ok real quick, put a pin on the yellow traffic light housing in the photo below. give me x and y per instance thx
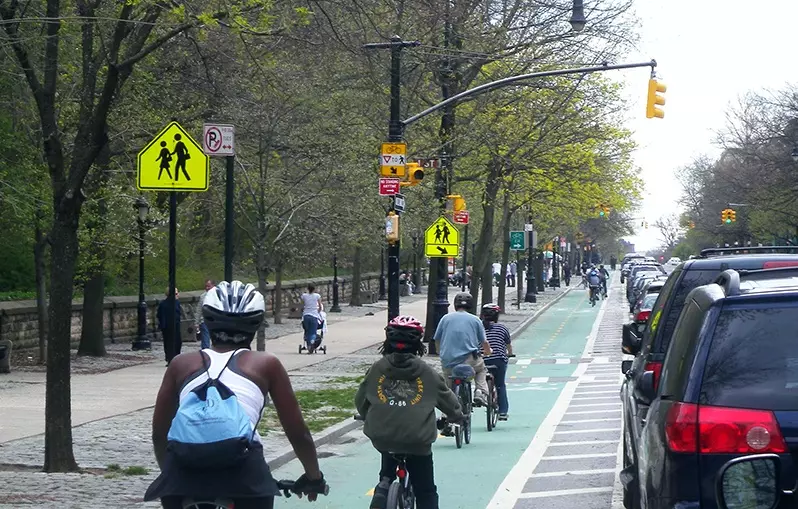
(414, 174)
(655, 88)
(733, 215)
(726, 215)
(457, 202)
(392, 227)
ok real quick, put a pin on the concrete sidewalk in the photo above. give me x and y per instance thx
(98, 396)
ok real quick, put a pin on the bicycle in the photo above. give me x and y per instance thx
(400, 493)
(594, 290)
(285, 486)
(462, 374)
(493, 398)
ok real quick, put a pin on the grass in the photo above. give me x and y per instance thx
(114, 470)
(321, 408)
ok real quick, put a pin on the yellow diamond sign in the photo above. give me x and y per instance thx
(442, 240)
(172, 161)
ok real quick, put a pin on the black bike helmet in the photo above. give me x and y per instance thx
(463, 300)
(235, 310)
(404, 329)
(491, 312)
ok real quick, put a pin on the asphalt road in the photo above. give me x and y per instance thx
(559, 448)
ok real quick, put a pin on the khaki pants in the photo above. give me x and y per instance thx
(480, 381)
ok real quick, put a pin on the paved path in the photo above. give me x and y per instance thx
(566, 361)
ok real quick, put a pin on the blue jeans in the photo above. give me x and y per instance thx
(205, 336)
(498, 377)
(311, 326)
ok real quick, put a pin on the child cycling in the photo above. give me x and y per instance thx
(499, 339)
(397, 400)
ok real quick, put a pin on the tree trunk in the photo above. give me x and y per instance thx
(40, 267)
(278, 292)
(355, 299)
(504, 231)
(92, 337)
(58, 454)
(482, 258)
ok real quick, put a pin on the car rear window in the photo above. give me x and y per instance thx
(649, 301)
(753, 359)
(691, 279)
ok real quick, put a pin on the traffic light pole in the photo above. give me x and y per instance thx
(395, 134)
(531, 287)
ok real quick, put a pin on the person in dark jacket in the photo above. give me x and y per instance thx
(172, 344)
(397, 400)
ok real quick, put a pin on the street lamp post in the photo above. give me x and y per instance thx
(142, 341)
(554, 281)
(416, 276)
(382, 274)
(335, 307)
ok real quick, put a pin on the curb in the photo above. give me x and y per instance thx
(529, 321)
(325, 437)
(344, 427)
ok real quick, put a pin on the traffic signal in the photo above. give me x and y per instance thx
(415, 174)
(458, 202)
(733, 215)
(604, 210)
(655, 88)
(725, 216)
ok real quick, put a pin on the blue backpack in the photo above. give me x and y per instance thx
(210, 429)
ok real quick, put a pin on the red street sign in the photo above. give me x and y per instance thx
(461, 217)
(389, 187)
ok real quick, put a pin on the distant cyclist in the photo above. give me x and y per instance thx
(397, 400)
(233, 313)
(593, 281)
(499, 339)
(462, 341)
(605, 276)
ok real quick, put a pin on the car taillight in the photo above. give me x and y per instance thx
(642, 316)
(776, 264)
(721, 430)
(656, 367)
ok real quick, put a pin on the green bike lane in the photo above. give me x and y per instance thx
(547, 354)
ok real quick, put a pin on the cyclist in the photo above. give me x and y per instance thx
(397, 400)
(462, 341)
(593, 280)
(233, 313)
(605, 276)
(499, 339)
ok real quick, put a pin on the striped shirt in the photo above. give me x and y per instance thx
(499, 337)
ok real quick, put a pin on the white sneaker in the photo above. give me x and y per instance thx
(479, 398)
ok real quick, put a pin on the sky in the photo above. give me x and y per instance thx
(709, 53)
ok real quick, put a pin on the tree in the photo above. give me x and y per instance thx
(670, 231)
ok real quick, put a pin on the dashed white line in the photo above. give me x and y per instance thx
(578, 421)
(586, 442)
(594, 430)
(585, 412)
(575, 472)
(579, 456)
(560, 493)
(584, 405)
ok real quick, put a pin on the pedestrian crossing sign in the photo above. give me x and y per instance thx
(172, 161)
(442, 240)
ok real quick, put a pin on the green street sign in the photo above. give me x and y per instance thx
(517, 241)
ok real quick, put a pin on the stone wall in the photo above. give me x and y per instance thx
(19, 322)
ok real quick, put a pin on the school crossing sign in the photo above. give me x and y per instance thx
(172, 161)
(442, 240)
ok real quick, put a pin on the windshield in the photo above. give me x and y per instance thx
(648, 302)
(753, 359)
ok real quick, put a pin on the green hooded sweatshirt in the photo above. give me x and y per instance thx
(398, 399)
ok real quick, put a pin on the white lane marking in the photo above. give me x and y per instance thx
(586, 442)
(595, 430)
(539, 380)
(562, 361)
(597, 392)
(598, 383)
(579, 456)
(575, 472)
(561, 493)
(617, 492)
(585, 412)
(522, 362)
(509, 490)
(583, 405)
(591, 339)
(577, 421)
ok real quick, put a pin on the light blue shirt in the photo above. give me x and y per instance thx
(460, 334)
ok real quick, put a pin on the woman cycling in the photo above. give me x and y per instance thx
(499, 338)
(233, 313)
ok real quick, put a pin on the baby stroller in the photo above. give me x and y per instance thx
(321, 331)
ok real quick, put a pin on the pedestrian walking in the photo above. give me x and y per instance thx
(566, 270)
(202, 332)
(497, 269)
(512, 272)
(172, 342)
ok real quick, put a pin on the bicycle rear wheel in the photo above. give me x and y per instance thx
(458, 428)
(395, 496)
(467, 422)
(490, 411)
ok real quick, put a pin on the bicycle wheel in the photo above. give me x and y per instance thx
(395, 496)
(408, 498)
(467, 422)
(458, 428)
(490, 411)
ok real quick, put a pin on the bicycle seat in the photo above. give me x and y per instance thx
(463, 372)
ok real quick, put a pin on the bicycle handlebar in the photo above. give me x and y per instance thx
(287, 487)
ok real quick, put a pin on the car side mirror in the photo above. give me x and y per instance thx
(630, 341)
(749, 482)
(626, 366)
(645, 389)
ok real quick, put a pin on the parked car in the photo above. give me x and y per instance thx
(649, 348)
(637, 270)
(727, 388)
(674, 260)
(640, 284)
(627, 262)
(650, 292)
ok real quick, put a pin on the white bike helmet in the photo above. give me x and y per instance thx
(235, 310)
